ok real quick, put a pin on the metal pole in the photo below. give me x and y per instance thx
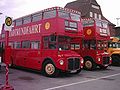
(7, 53)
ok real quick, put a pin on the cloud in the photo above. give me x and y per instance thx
(2, 3)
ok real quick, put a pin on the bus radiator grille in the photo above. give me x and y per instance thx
(106, 60)
(73, 63)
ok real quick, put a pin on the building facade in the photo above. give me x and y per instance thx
(117, 31)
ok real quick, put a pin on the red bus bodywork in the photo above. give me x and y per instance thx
(44, 44)
(95, 41)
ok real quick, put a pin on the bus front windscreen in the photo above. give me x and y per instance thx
(64, 43)
(100, 45)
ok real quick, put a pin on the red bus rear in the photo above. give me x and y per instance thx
(41, 41)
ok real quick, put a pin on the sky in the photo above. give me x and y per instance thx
(19, 8)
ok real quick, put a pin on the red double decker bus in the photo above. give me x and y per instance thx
(41, 41)
(95, 41)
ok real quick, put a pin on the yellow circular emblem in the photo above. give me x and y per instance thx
(8, 21)
(47, 25)
(89, 31)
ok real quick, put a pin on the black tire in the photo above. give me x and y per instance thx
(49, 69)
(89, 64)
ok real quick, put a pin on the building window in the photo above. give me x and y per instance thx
(95, 15)
(91, 14)
(99, 16)
(95, 7)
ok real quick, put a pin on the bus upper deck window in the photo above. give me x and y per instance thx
(37, 17)
(26, 19)
(18, 22)
(49, 14)
(75, 17)
(63, 14)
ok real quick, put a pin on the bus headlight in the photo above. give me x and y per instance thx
(110, 58)
(99, 59)
(61, 62)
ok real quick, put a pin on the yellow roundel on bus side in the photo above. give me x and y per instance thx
(47, 25)
(89, 31)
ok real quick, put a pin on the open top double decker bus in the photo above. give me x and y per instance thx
(41, 41)
(114, 50)
(96, 36)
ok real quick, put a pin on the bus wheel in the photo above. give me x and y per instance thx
(89, 64)
(49, 69)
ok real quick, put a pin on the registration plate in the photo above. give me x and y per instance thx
(106, 65)
(73, 71)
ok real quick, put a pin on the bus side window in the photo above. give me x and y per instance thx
(26, 19)
(52, 42)
(11, 44)
(45, 41)
(37, 17)
(17, 44)
(35, 45)
(52, 46)
(26, 44)
(19, 22)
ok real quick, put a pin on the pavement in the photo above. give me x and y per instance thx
(21, 79)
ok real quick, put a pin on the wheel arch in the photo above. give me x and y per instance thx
(89, 58)
(48, 59)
